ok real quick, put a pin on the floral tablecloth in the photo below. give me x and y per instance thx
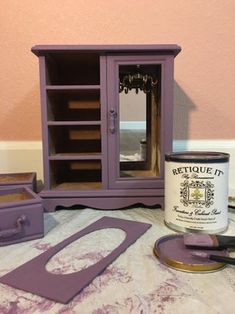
(136, 282)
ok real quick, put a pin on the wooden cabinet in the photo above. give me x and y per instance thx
(99, 105)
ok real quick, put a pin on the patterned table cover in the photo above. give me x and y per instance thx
(136, 282)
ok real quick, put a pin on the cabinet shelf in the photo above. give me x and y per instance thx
(75, 156)
(78, 186)
(65, 173)
(70, 123)
(84, 134)
(74, 139)
(73, 105)
(73, 68)
(137, 173)
(71, 87)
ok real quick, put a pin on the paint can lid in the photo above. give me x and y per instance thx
(197, 157)
(171, 251)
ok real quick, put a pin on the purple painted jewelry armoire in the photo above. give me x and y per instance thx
(107, 123)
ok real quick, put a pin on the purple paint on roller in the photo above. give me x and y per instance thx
(208, 241)
(191, 239)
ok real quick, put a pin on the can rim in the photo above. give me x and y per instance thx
(180, 264)
(198, 156)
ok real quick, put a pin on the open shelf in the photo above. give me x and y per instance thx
(78, 186)
(137, 173)
(73, 68)
(75, 156)
(59, 88)
(70, 139)
(76, 174)
(75, 105)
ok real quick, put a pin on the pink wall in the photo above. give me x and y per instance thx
(204, 73)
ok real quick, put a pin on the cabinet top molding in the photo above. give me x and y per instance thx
(170, 49)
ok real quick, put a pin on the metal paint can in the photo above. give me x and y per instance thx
(196, 191)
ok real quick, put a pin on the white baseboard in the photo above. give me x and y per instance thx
(26, 156)
(23, 156)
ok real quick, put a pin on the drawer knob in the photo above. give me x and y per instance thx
(11, 232)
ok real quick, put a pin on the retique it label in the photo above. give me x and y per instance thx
(196, 195)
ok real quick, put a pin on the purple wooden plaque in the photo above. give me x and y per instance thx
(33, 276)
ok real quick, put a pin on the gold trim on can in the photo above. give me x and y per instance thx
(186, 267)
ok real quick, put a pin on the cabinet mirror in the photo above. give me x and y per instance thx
(139, 120)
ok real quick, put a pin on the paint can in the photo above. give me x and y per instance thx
(196, 191)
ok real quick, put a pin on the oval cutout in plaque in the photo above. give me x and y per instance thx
(85, 251)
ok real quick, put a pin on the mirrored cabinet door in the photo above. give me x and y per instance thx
(135, 120)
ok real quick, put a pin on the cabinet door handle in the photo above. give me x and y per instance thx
(112, 120)
(10, 232)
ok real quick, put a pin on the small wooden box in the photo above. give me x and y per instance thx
(23, 179)
(21, 216)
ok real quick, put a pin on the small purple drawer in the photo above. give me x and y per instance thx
(23, 179)
(21, 216)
